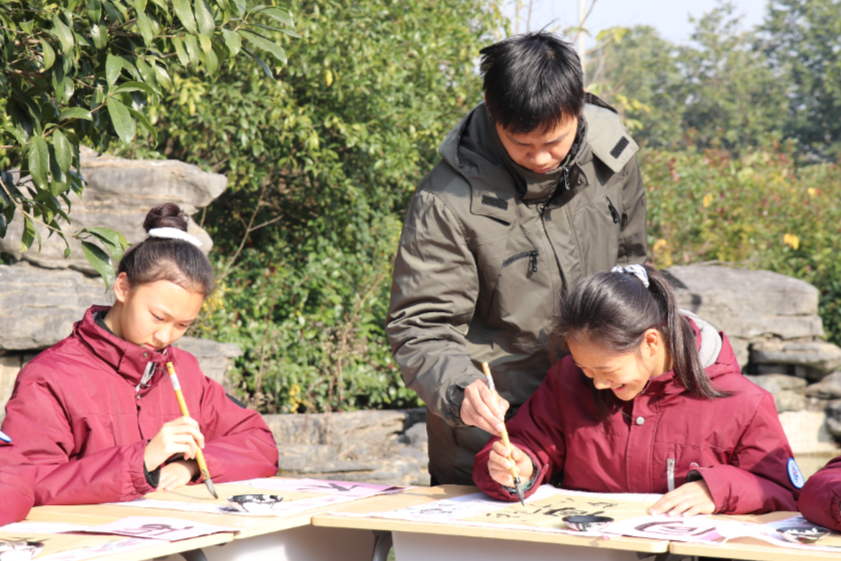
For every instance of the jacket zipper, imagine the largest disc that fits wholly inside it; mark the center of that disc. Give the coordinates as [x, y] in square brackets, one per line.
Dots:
[670, 473]
[543, 208]
[532, 255]
[613, 212]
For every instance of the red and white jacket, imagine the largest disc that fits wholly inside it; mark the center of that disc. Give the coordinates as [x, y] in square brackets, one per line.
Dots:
[79, 415]
[652, 444]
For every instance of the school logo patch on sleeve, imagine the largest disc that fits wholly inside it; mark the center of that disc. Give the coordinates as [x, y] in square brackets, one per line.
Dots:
[794, 474]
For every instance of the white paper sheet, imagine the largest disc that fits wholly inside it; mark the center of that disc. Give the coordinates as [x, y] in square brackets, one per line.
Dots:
[458, 508]
[282, 510]
[672, 528]
[321, 486]
[158, 528]
[94, 551]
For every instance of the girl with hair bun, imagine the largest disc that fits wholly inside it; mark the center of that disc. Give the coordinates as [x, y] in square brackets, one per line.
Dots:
[96, 414]
[650, 400]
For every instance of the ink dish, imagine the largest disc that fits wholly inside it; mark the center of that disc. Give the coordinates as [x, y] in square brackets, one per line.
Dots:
[19, 551]
[255, 504]
[799, 534]
[587, 523]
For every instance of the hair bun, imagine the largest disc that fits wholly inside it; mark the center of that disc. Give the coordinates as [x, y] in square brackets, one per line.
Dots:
[167, 215]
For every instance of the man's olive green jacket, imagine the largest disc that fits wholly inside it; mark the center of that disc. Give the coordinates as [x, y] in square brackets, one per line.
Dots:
[487, 253]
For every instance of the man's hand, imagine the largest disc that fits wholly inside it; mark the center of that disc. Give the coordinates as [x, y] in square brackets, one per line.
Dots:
[480, 409]
[500, 468]
[177, 474]
[689, 499]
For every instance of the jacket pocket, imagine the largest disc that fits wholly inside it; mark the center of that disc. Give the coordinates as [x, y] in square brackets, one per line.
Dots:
[531, 255]
[670, 470]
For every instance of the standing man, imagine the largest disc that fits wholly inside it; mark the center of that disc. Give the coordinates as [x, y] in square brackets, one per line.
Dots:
[538, 187]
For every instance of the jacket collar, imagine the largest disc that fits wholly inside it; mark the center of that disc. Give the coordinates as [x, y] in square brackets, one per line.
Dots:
[127, 359]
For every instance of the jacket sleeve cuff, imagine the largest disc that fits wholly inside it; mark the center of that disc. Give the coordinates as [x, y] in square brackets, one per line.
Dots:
[455, 398]
[137, 469]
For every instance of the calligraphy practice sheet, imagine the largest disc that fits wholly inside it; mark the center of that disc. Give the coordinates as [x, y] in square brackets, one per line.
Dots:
[299, 496]
[148, 527]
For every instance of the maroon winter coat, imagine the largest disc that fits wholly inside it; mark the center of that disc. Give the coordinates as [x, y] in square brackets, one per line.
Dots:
[735, 443]
[820, 499]
[76, 414]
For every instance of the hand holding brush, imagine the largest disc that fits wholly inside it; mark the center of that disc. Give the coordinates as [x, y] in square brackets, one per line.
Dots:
[508, 449]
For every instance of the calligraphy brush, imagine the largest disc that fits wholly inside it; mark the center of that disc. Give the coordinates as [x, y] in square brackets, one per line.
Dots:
[514, 472]
[199, 454]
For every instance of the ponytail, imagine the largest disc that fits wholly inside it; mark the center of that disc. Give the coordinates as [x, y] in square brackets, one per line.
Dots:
[613, 310]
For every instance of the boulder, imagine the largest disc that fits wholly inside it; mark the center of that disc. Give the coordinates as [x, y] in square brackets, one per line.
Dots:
[38, 310]
[777, 382]
[833, 418]
[815, 358]
[807, 432]
[118, 195]
[828, 388]
[748, 304]
[215, 359]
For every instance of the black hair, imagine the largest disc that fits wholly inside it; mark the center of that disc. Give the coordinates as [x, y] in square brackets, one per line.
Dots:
[532, 82]
[174, 260]
[614, 310]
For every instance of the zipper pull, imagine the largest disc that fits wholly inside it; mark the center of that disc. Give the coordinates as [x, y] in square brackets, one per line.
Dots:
[533, 260]
[566, 178]
[613, 212]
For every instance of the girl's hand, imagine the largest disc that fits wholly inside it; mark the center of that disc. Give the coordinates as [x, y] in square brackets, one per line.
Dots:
[177, 474]
[181, 436]
[689, 499]
[500, 468]
[479, 408]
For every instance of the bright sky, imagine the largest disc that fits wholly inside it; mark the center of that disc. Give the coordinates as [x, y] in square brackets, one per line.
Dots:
[670, 17]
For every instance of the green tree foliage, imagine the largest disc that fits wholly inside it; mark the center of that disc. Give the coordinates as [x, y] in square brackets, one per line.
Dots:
[78, 71]
[321, 165]
[801, 39]
[716, 90]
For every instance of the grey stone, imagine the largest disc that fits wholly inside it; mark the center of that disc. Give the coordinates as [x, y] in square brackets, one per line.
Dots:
[383, 446]
[215, 359]
[828, 388]
[749, 304]
[38, 309]
[816, 358]
[833, 418]
[787, 400]
[776, 382]
[118, 195]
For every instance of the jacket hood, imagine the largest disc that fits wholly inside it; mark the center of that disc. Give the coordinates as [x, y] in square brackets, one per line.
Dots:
[714, 351]
[129, 360]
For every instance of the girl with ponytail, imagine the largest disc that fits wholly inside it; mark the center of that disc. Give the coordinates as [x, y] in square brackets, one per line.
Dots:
[650, 400]
[96, 415]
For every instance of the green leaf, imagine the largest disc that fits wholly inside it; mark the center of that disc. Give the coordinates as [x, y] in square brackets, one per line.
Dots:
[63, 33]
[263, 43]
[134, 87]
[149, 76]
[113, 67]
[192, 49]
[183, 57]
[30, 233]
[49, 54]
[204, 17]
[277, 14]
[232, 41]
[144, 123]
[94, 11]
[100, 261]
[205, 43]
[144, 24]
[211, 61]
[259, 61]
[114, 241]
[75, 113]
[121, 119]
[162, 76]
[63, 150]
[39, 162]
[100, 36]
[185, 14]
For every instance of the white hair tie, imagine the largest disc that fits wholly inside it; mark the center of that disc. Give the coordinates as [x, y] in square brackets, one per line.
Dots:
[174, 234]
[636, 270]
